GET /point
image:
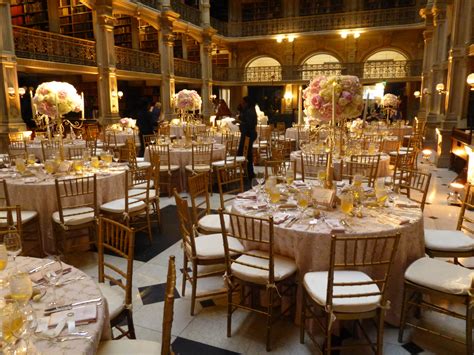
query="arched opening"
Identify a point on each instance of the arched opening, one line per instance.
(320, 64)
(263, 69)
(386, 64)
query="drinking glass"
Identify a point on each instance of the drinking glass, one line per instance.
(49, 166)
(302, 200)
(116, 157)
(371, 148)
(347, 203)
(31, 159)
(52, 275)
(290, 176)
(21, 288)
(24, 333)
(95, 162)
(6, 161)
(86, 155)
(322, 176)
(13, 245)
(3, 265)
(20, 165)
(381, 194)
(12, 322)
(78, 166)
(255, 184)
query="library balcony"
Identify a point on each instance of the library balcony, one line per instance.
(187, 69)
(137, 61)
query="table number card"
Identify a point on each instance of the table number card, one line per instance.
(322, 196)
(64, 167)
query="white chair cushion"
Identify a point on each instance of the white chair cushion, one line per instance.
(143, 185)
(220, 163)
(141, 193)
(26, 216)
(140, 159)
(75, 216)
(118, 206)
(440, 275)
(211, 246)
(172, 168)
(143, 164)
(316, 284)
(199, 167)
(129, 346)
(115, 297)
(240, 158)
(283, 267)
(212, 223)
(448, 240)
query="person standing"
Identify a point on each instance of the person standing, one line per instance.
(144, 122)
(248, 128)
(156, 113)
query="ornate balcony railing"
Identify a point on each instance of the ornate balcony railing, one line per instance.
(135, 60)
(187, 13)
(52, 47)
(336, 21)
(187, 68)
(220, 26)
(379, 70)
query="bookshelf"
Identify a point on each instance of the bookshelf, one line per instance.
(30, 13)
(75, 19)
(148, 37)
(194, 52)
(315, 7)
(261, 10)
(123, 31)
(221, 59)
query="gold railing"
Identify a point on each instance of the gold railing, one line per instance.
(187, 13)
(335, 21)
(135, 60)
(187, 68)
(379, 70)
(52, 47)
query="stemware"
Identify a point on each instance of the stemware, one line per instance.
(275, 196)
(13, 246)
(290, 176)
(20, 165)
(24, 333)
(21, 288)
(116, 157)
(3, 265)
(302, 201)
(347, 203)
(6, 161)
(52, 275)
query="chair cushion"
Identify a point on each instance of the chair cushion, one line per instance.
(115, 297)
(283, 267)
(220, 163)
(141, 193)
(199, 167)
(143, 185)
(26, 216)
(448, 240)
(212, 223)
(75, 216)
(240, 158)
(118, 206)
(316, 284)
(172, 168)
(211, 246)
(440, 275)
(129, 346)
(143, 164)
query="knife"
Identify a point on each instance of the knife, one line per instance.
(32, 271)
(70, 306)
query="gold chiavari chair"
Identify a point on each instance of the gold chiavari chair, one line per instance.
(198, 189)
(120, 240)
(263, 144)
(230, 181)
(459, 243)
(375, 139)
(435, 285)
(345, 292)
(17, 150)
(154, 193)
(365, 165)
(29, 223)
(231, 146)
(133, 346)
(255, 269)
(205, 250)
(312, 164)
(403, 161)
(133, 209)
(201, 158)
(10, 221)
(149, 139)
(77, 153)
(169, 173)
(280, 168)
(50, 149)
(415, 185)
(111, 141)
(73, 215)
(164, 130)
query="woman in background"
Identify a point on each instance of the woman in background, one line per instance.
(144, 121)
(248, 128)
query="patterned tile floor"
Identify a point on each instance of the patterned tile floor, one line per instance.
(205, 333)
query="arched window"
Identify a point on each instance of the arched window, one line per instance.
(386, 64)
(320, 64)
(263, 69)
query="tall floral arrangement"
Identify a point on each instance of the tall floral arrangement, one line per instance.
(56, 98)
(318, 97)
(390, 100)
(188, 100)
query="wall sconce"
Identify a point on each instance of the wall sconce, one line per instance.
(288, 97)
(345, 33)
(21, 91)
(470, 81)
(417, 94)
(440, 88)
(114, 93)
(11, 92)
(289, 38)
(120, 94)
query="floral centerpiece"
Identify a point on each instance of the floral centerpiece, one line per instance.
(55, 99)
(390, 100)
(318, 97)
(188, 100)
(356, 125)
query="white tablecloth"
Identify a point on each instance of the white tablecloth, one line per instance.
(80, 290)
(178, 131)
(35, 148)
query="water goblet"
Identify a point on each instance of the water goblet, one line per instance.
(21, 288)
(20, 165)
(12, 325)
(52, 275)
(347, 203)
(12, 242)
(3, 265)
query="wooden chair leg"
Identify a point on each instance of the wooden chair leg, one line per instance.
(303, 315)
(148, 221)
(269, 317)
(403, 315)
(328, 334)
(468, 328)
(193, 288)
(380, 329)
(185, 268)
(131, 327)
(229, 310)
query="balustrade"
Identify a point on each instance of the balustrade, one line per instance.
(135, 60)
(187, 68)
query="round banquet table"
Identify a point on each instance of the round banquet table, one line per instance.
(292, 133)
(122, 137)
(382, 171)
(35, 195)
(183, 157)
(80, 290)
(35, 148)
(309, 245)
(178, 130)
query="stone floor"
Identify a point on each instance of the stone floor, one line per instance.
(205, 333)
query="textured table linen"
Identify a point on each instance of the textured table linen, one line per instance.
(35, 148)
(41, 197)
(178, 130)
(80, 290)
(309, 245)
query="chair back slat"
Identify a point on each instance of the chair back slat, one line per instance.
(230, 180)
(415, 185)
(466, 223)
(198, 188)
(312, 164)
(201, 154)
(168, 309)
(186, 226)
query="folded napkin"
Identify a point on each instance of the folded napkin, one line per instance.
(299, 183)
(37, 277)
(247, 195)
(30, 180)
(280, 217)
(397, 220)
(82, 315)
(256, 206)
(335, 225)
(408, 204)
(340, 183)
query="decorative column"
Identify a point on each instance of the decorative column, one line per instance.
(166, 41)
(165, 5)
(10, 110)
(206, 71)
(426, 78)
(106, 61)
(205, 8)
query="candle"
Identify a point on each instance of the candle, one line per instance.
(300, 103)
(83, 106)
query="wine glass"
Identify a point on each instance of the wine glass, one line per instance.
(21, 288)
(12, 323)
(302, 201)
(290, 176)
(3, 265)
(24, 333)
(6, 161)
(274, 194)
(381, 194)
(52, 275)
(116, 157)
(347, 203)
(12, 243)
